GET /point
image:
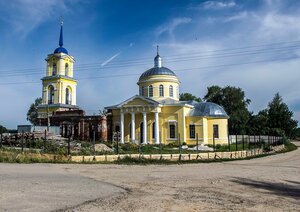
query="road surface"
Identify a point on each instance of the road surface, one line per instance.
(264, 184)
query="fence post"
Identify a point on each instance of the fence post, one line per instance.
(22, 140)
(118, 137)
(160, 148)
(44, 145)
(45, 134)
(214, 144)
(243, 142)
(249, 144)
(69, 140)
(236, 142)
(229, 142)
(197, 143)
(94, 140)
(179, 142)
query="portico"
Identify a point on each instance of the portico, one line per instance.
(138, 120)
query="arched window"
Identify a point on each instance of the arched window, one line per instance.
(171, 90)
(150, 91)
(50, 94)
(67, 69)
(68, 96)
(142, 92)
(54, 71)
(161, 90)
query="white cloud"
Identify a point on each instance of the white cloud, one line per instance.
(239, 16)
(216, 5)
(26, 15)
(172, 25)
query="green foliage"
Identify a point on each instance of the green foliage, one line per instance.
(32, 113)
(235, 104)
(296, 134)
(259, 124)
(189, 97)
(280, 116)
(3, 129)
(275, 120)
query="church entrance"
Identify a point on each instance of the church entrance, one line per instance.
(141, 132)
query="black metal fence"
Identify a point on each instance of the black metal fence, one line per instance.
(28, 142)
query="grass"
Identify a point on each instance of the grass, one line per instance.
(144, 161)
(16, 156)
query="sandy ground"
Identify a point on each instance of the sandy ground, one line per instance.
(265, 184)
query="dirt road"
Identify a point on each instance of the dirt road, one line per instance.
(265, 184)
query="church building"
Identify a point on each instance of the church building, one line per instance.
(157, 116)
(59, 108)
(59, 85)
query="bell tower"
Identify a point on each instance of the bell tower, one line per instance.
(59, 85)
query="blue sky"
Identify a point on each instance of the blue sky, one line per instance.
(251, 44)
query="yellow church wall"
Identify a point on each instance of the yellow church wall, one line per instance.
(223, 136)
(60, 86)
(198, 122)
(178, 116)
(156, 81)
(60, 64)
(167, 116)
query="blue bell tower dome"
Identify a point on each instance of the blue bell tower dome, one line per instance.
(61, 49)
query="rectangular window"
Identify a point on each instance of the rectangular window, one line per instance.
(192, 131)
(216, 131)
(172, 130)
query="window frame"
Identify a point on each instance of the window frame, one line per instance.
(172, 130)
(50, 94)
(150, 91)
(54, 69)
(216, 131)
(161, 90)
(67, 70)
(171, 91)
(192, 129)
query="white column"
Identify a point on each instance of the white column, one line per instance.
(133, 127)
(156, 128)
(144, 128)
(122, 127)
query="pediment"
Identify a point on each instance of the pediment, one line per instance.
(138, 101)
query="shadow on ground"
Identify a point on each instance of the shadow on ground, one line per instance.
(289, 189)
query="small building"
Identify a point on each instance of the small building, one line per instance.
(156, 114)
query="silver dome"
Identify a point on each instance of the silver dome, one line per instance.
(208, 109)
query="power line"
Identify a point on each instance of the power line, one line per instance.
(182, 59)
(140, 61)
(189, 69)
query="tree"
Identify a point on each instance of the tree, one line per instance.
(32, 114)
(280, 117)
(258, 124)
(189, 97)
(235, 104)
(3, 129)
